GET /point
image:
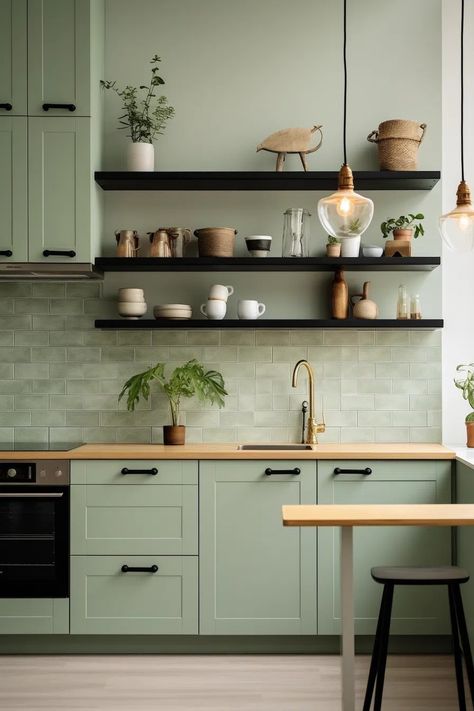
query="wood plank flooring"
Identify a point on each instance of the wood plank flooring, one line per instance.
(212, 683)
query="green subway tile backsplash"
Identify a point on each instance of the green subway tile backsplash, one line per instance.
(60, 377)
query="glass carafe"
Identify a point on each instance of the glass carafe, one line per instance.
(296, 232)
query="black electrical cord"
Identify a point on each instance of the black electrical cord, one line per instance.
(462, 88)
(345, 79)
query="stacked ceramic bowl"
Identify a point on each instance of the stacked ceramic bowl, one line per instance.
(258, 245)
(131, 303)
(174, 312)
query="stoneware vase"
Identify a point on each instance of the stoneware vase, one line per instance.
(141, 157)
(470, 434)
(350, 246)
(404, 234)
(174, 434)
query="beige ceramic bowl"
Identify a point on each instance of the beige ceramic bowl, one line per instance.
(129, 295)
(131, 309)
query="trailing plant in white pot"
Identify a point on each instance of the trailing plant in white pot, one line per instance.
(145, 117)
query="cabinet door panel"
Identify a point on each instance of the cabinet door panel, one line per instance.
(59, 188)
(465, 540)
(256, 577)
(13, 188)
(416, 610)
(13, 57)
(34, 616)
(58, 56)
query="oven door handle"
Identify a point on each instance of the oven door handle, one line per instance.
(31, 495)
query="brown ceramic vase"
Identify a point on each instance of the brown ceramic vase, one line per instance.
(174, 434)
(470, 434)
(404, 234)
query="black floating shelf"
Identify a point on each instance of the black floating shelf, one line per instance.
(427, 324)
(268, 264)
(265, 180)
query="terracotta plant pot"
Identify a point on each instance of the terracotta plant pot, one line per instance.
(174, 434)
(333, 250)
(404, 234)
(470, 434)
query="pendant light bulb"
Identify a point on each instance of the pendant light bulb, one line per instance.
(457, 226)
(345, 213)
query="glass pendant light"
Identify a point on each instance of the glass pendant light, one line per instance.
(345, 213)
(457, 226)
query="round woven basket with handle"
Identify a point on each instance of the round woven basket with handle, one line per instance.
(216, 241)
(398, 141)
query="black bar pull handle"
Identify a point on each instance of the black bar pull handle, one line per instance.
(365, 471)
(294, 472)
(152, 471)
(69, 107)
(6, 253)
(59, 253)
(7, 106)
(139, 569)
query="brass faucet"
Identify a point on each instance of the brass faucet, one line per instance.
(313, 427)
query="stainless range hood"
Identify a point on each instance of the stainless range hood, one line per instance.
(39, 270)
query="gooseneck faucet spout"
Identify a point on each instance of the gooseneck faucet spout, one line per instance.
(313, 428)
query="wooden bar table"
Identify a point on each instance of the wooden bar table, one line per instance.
(348, 516)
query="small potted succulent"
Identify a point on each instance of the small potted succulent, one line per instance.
(333, 247)
(466, 385)
(404, 227)
(188, 380)
(145, 117)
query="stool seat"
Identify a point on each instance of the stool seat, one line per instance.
(419, 575)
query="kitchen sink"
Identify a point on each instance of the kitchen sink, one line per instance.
(273, 447)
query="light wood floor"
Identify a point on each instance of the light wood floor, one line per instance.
(211, 683)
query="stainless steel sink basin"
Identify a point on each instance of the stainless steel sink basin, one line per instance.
(273, 447)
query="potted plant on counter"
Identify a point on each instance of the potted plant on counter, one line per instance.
(188, 380)
(333, 247)
(145, 117)
(466, 385)
(404, 227)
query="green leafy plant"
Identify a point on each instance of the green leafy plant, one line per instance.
(145, 116)
(333, 240)
(353, 228)
(188, 380)
(466, 385)
(404, 222)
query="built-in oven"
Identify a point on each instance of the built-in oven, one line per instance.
(34, 528)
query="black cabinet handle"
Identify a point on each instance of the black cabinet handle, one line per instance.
(69, 107)
(7, 106)
(365, 471)
(153, 471)
(139, 569)
(294, 471)
(59, 253)
(6, 253)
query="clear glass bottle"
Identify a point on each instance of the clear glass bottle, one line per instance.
(296, 232)
(402, 304)
(415, 307)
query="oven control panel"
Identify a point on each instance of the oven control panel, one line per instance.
(43, 471)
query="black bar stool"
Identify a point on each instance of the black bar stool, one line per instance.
(448, 575)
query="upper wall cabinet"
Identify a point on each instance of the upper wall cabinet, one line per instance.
(13, 188)
(13, 58)
(59, 57)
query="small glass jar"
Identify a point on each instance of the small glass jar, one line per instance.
(415, 307)
(402, 304)
(296, 232)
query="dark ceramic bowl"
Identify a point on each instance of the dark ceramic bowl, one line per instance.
(258, 243)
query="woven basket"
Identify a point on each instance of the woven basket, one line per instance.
(216, 241)
(398, 141)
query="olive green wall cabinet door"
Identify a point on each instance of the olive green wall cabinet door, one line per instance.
(59, 189)
(13, 189)
(138, 520)
(465, 541)
(107, 600)
(256, 577)
(416, 610)
(34, 616)
(59, 57)
(13, 57)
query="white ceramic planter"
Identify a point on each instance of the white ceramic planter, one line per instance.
(141, 157)
(350, 246)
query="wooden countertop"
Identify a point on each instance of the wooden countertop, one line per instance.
(379, 515)
(230, 451)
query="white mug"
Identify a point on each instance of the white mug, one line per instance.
(249, 309)
(220, 292)
(214, 309)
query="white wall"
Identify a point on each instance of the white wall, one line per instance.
(458, 269)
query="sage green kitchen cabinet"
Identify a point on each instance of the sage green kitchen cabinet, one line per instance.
(34, 616)
(256, 577)
(106, 600)
(129, 472)
(391, 482)
(465, 540)
(13, 188)
(59, 175)
(13, 57)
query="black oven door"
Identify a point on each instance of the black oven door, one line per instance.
(34, 541)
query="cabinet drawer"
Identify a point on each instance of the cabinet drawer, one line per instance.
(110, 519)
(381, 469)
(34, 616)
(99, 471)
(105, 600)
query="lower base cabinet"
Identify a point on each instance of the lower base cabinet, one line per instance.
(465, 541)
(34, 615)
(107, 600)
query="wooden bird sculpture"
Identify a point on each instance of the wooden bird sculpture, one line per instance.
(291, 140)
